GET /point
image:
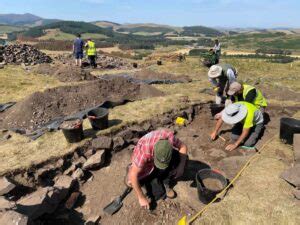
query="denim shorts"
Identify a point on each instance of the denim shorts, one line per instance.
(78, 55)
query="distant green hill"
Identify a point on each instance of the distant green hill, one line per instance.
(200, 30)
(147, 29)
(69, 27)
(6, 29)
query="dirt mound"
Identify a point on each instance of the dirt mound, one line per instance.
(149, 75)
(109, 62)
(65, 73)
(26, 54)
(41, 107)
(69, 73)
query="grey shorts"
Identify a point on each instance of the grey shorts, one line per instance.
(253, 136)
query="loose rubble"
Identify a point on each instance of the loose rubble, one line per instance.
(22, 53)
(108, 62)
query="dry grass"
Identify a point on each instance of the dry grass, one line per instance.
(16, 83)
(259, 196)
(20, 153)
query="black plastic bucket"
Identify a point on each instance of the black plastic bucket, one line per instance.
(216, 108)
(98, 118)
(207, 194)
(289, 127)
(74, 134)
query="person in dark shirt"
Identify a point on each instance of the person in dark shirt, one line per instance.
(78, 50)
(247, 93)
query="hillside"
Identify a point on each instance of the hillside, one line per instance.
(106, 24)
(18, 19)
(146, 29)
(200, 31)
(68, 27)
(6, 29)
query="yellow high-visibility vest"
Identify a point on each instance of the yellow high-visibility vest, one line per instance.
(259, 100)
(91, 48)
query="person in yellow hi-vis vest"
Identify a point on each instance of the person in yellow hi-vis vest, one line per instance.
(91, 52)
(247, 93)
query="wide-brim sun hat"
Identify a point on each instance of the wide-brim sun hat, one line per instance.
(162, 154)
(215, 71)
(234, 88)
(234, 113)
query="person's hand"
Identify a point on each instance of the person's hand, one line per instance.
(213, 136)
(144, 202)
(231, 147)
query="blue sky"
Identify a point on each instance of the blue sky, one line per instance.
(226, 13)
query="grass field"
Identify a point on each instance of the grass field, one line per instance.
(4, 29)
(56, 34)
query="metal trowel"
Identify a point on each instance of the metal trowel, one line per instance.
(116, 204)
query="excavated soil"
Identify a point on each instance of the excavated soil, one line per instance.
(202, 154)
(41, 107)
(151, 75)
(64, 72)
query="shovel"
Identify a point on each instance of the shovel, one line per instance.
(116, 204)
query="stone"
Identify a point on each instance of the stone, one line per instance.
(70, 203)
(65, 182)
(165, 121)
(231, 165)
(79, 162)
(13, 218)
(296, 193)
(147, 126)
(296, 144)
(1, 66)
(6, 186)
(5, 204)
(93, 220)
(127, 135)
(78, 174)
(7, 136)
(89, 153)
(292, 175)
(138, 130)
(118, 143)
(95, 161)
(70, 170)
(102, 142)
(60, 163)
(36, 204)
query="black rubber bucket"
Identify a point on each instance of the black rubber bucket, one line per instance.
(74, 134)
(289, 127)
(208, 191)
(216, 108)
(98, 118)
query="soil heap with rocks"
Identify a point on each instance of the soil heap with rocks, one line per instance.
(69, 73)
(108, 62)
(152, 75)
(42, 107)
(22, 53)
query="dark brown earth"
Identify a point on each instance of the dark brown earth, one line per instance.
(149, 74)
(64, 72)
(212, 184)
(202, 153)
(42, 107)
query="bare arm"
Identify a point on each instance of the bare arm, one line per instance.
(137, 187)
(244, 134)
(217, 129)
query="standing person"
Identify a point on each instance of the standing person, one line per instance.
(247, 93)
(248, 124)
(78, 50)
(91, 52)
(157, 155)
(221, 76)
(217, 50)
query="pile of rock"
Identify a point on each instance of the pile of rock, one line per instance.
(23, 54)
(108, 62)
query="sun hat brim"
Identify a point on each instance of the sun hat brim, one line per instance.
(215, 71)
(241, 114)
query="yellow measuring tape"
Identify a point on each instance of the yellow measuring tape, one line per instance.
(183, 220)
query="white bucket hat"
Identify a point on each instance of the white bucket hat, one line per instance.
(215, 71)
(234, 113)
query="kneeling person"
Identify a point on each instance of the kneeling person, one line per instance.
(158, 154)
(248, 124)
